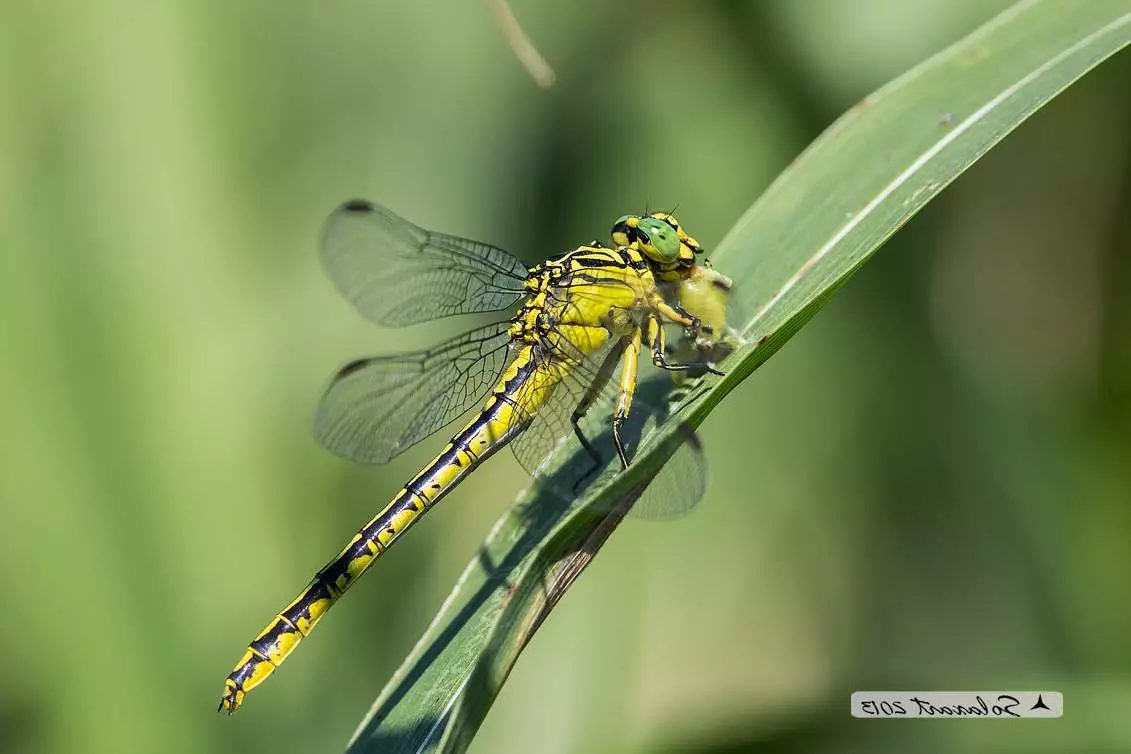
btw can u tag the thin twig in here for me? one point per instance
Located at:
(524, 49)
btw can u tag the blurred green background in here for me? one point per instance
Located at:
(927, 489)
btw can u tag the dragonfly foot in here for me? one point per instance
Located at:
(587, 478)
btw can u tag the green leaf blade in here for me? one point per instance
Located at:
(899, 147)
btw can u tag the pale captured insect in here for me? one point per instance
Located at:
(538, 375)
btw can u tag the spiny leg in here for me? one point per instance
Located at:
(697, 325)
(630, 344)
(658, 341)
(680, 316)
(604, 375)
(675, 314)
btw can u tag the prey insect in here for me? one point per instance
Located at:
(583, 314)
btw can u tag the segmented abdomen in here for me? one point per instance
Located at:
(493, 428)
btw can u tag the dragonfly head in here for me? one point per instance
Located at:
(659, 237)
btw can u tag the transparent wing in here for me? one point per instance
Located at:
(396, 273)
(589, 449)
(681, 482)
(551, 428)
(377, 407)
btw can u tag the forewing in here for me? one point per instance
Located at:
(377, 407)
(396, 273)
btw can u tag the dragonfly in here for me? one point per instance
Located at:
(536, 375)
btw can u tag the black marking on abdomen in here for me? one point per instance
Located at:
(334, 578)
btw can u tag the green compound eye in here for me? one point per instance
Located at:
(658, 240)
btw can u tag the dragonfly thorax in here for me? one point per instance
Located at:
(592, 286)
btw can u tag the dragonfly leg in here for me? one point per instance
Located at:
(659, 356)
(676, 313)
(604, 375)
(629, 362)
(697, 325)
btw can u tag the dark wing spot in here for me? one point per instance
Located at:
(350, 368)
(359, 206)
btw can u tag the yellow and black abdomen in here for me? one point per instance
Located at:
(498, 423)
(574, 305)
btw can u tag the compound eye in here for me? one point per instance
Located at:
(658, 240)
